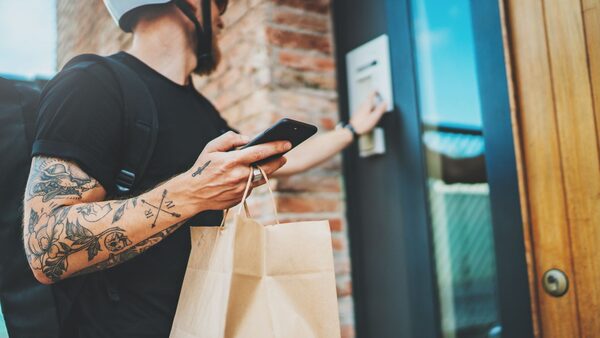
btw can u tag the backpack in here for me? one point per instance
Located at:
(32, 309)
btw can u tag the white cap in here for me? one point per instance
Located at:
(118, 9)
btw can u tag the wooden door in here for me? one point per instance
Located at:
(554, 52)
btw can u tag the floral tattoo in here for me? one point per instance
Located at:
(47, 249)
(54, 178)
(53, 233)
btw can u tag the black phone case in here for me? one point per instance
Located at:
(285, 130)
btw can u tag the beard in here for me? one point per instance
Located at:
(207, 66)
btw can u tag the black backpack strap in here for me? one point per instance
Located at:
(140, 130)
(140, 120)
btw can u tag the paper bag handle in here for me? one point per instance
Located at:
(243, 203)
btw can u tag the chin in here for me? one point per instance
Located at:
(207, 67)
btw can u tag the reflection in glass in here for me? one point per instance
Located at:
(3, 331)
(459, 204)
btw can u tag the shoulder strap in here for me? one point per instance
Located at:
(140, 133)
(141, 118)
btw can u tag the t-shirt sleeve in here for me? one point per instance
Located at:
(80, 119)
(225, 127)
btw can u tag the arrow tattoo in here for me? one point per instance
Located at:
(159, 208)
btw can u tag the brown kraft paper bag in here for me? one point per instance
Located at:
(247, 280)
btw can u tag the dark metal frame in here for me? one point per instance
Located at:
(452, 129)
(410, 263)
(513, 286)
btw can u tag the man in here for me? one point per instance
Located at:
(74, 226)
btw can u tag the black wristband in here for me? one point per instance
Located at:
(351, 128)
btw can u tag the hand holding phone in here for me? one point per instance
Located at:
(285, 129)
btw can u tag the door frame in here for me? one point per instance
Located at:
(511, 265)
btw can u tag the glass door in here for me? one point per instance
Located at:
(454, 141)
(3, 331)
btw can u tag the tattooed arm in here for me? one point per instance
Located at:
(68, 227)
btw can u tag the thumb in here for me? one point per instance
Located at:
(226, 142)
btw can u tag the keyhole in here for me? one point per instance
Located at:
(556, 282)
(553, 281)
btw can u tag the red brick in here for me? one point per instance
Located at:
(320, 6)
(292, 100)
(338, 244)
(230, 78)
(336, 225)
(232, 95)
(328, 123)
(309, 182)
(348, 331)
(320, 81)
(334, 164)
(290, 78)
(295, 115)
(303, 61)
(297, 40)
(293, 203)
(302, 21)
(344, 288)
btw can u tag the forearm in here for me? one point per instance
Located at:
(127, 254)
(315, 151)
(63, 238)
(69, 228)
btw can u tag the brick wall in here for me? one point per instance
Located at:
(277, 61)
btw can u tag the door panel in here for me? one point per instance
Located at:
(389, 239)
(473, 190)
(551, 44)
(459, 199)
(509, 239)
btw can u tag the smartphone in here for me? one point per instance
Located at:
(285, 129)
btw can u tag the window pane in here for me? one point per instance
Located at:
(459, 204)
(3, 332)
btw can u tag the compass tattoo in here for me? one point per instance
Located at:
(155, 210)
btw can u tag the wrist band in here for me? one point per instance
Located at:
(351, 128)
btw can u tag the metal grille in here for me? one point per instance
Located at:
(464, 254)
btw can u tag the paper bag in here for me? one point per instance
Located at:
(247, 280)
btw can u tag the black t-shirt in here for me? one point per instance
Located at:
(80, 119)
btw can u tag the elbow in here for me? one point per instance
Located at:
(37, 264)
(37, 252)
(41, 277)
